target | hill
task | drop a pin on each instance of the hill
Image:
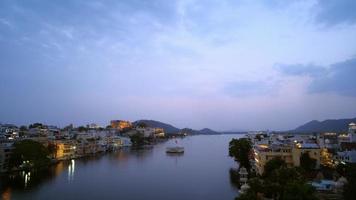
(207, 131)
(330, 125)
(169, 129)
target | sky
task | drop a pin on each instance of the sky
(222, 64)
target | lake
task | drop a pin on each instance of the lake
(202, 172)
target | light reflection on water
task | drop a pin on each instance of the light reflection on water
(6, 194)
(71, 169)
(202, 172)
(27, 176)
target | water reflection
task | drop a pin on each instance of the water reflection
(28, 180)
(59, 168)
(202, 172)
(25, 180)
(71, 169)
(27, 176)
(6, 194)
(234, 177)
(176, 157)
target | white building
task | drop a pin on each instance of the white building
(150, 132)
(347, 152)
(9, 131)
(328, 140)
(346, 156)
(118, 141)
(352, 132)
(93, 126)
(343, 138)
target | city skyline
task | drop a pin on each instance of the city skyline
(224, 65)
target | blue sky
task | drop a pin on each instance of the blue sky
(223, 64)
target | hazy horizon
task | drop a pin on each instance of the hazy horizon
(219, 64)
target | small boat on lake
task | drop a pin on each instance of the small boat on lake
(175, 149)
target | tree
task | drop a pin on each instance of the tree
(298, 191)
(36, 125)
(137, 139)
(272, 165)
(240, 150)
(349, 192)
(281, 179)
(254, 193)
(29, 154)
(82, 129)
(285, 184)
(23, 130)
(52, 149)
(306, 162)
(279, 183)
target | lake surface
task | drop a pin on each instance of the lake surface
(202, 172)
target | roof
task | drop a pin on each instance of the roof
(348, 145)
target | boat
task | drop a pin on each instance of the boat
(176, 149)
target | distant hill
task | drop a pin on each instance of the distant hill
(169, 129)
(330, 125)
(189, 131)
(207, 131)
(152, 123)
(204, 131)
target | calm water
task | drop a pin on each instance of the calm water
(201, 173)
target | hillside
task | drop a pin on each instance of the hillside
(169, 129)
(207, 131)
(152, 123)
(330, 125)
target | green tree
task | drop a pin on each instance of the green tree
(36, 125)
(240, 150)
(349, 192)
(279, 183)
(52, 149)
(137, 139)
(255, 191)
(298, 191)
(272, 165)
(82, 129)
(30, 154)
(306, 162)
(23, 130)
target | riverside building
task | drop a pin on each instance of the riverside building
(290, 152)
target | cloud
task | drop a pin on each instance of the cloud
(334, 12)
(300, 69)
(177, 53)
(338, 78)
